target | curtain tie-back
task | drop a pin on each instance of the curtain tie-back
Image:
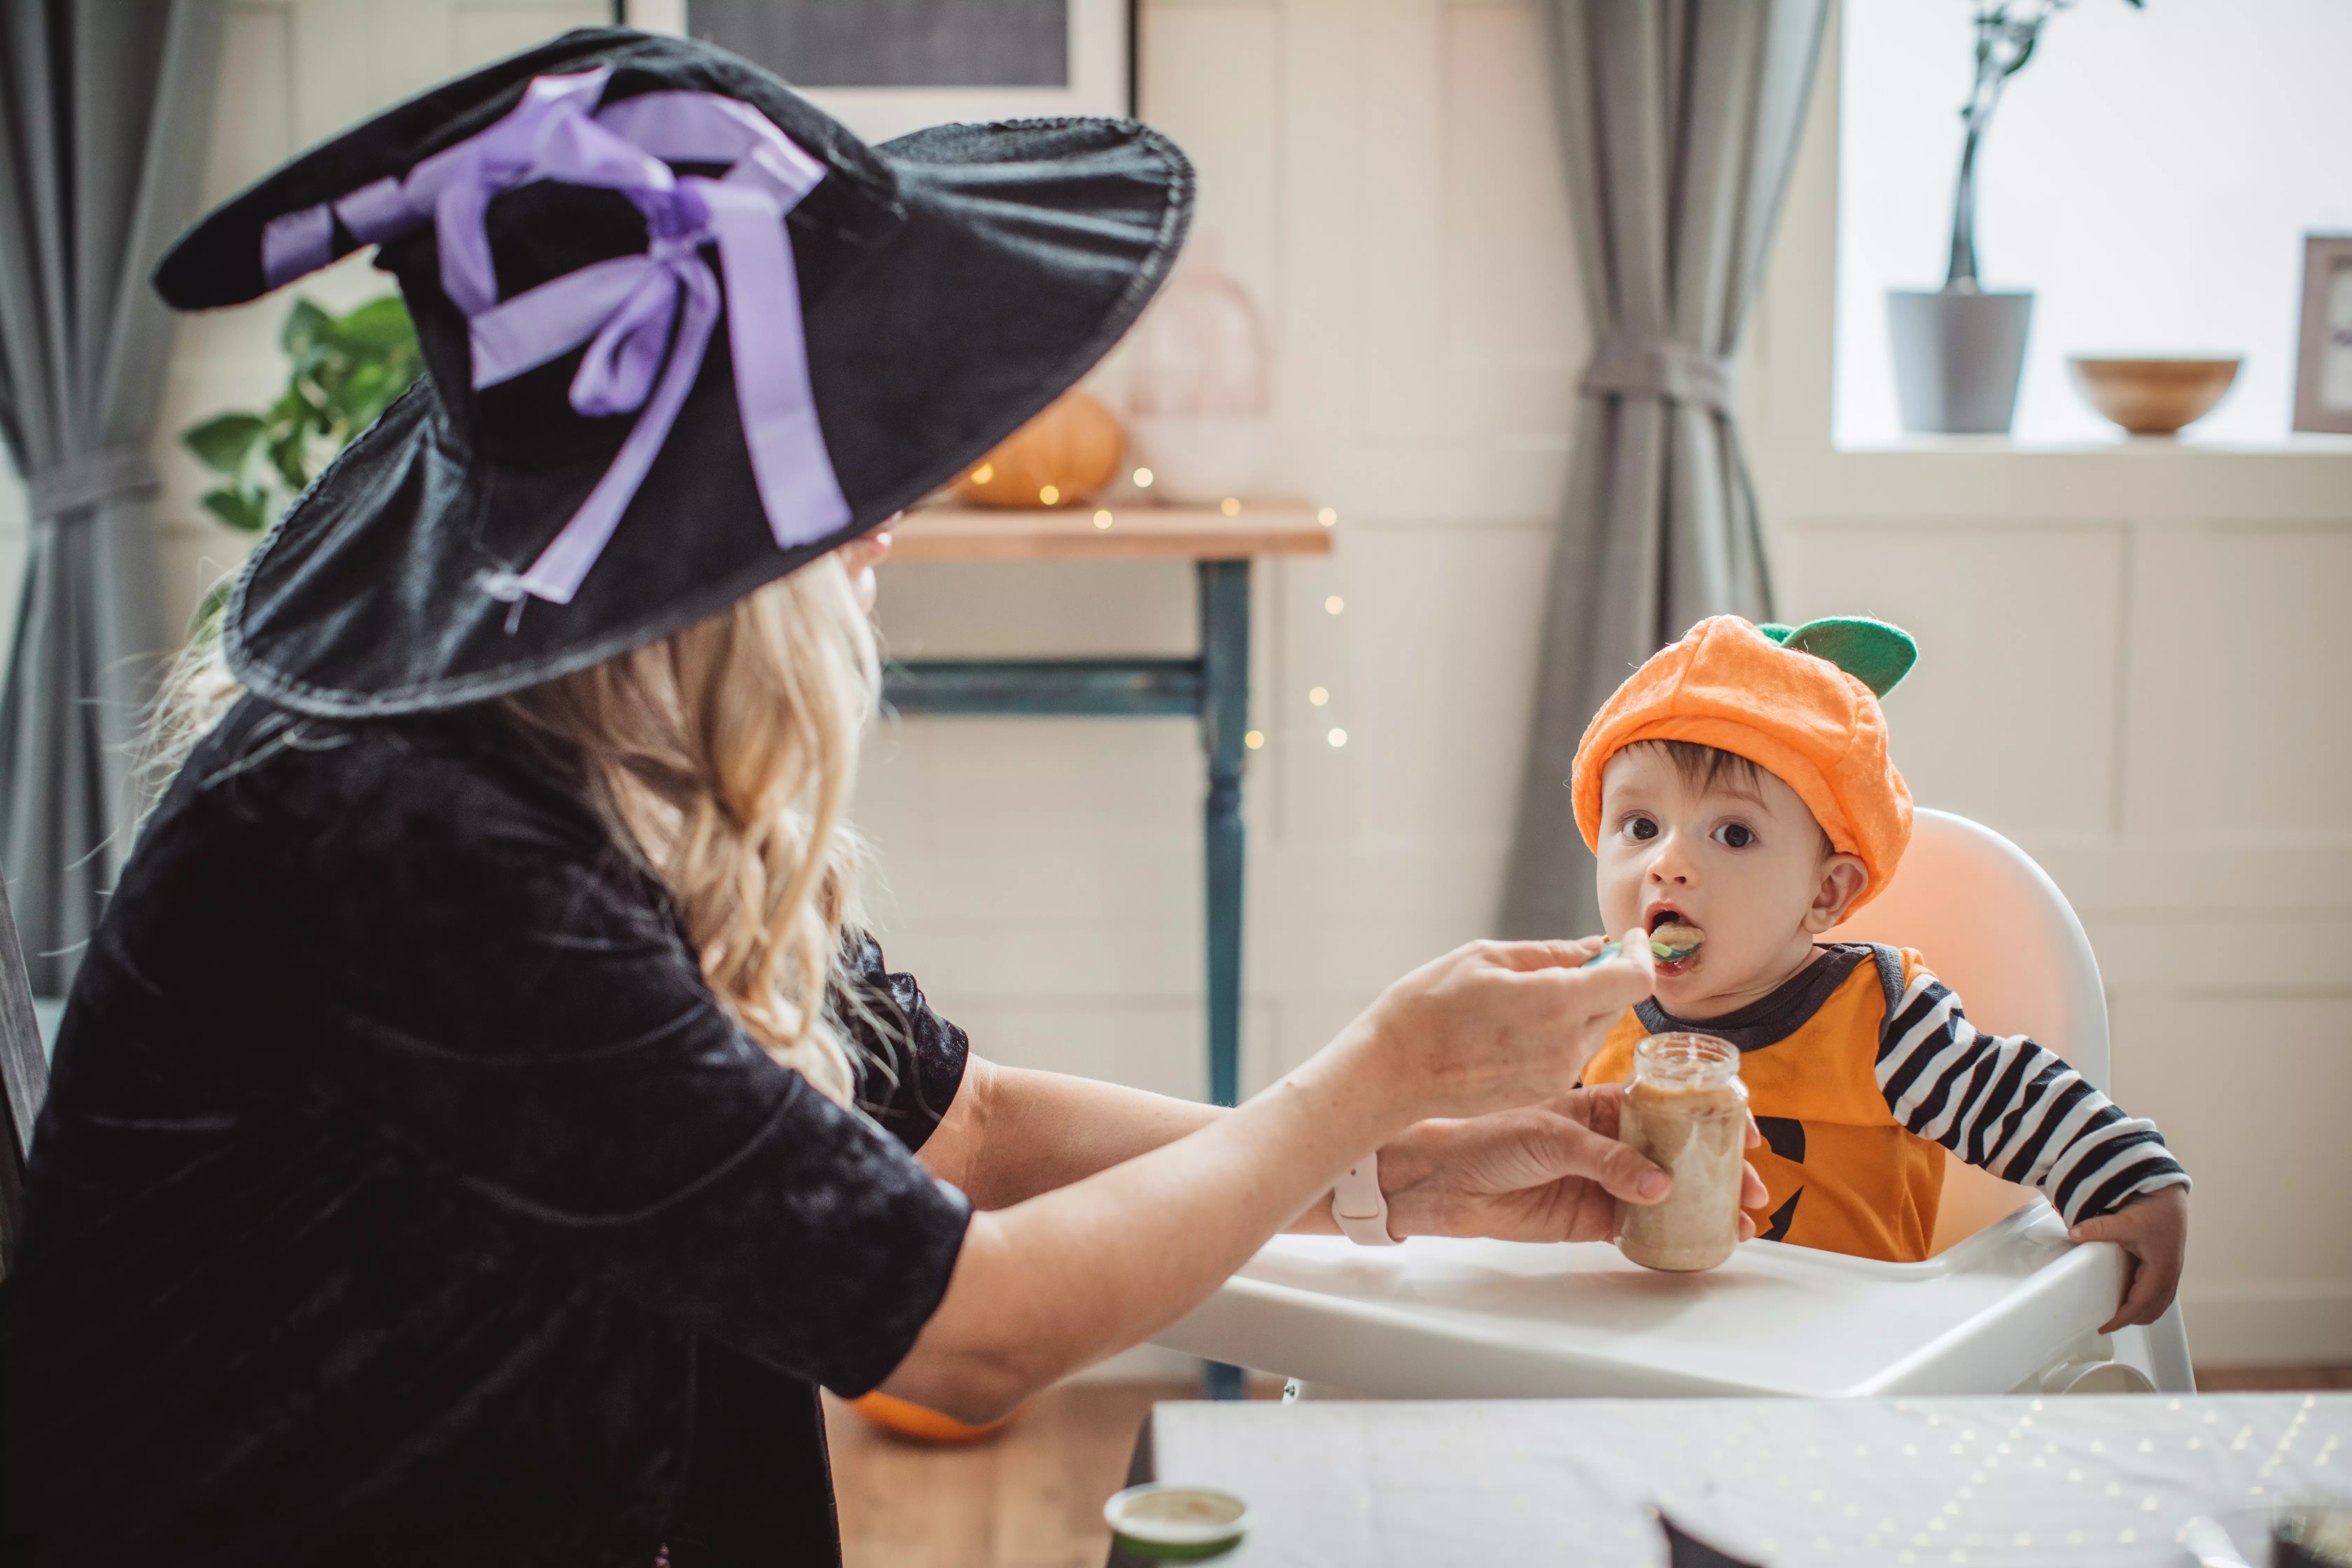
(1629, 364)
(90, 481)
(647, 319)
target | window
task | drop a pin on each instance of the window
(2150, 174)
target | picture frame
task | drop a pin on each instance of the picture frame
(2322, 372)
(884, 68)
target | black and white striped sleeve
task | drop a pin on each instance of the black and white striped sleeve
(2007, 1105)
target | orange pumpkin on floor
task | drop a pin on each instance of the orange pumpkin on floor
(910, 1420)
(1063, 456)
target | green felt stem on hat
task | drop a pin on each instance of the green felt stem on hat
(1873, 652)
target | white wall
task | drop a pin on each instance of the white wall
(2150, 176)
(2134, 661)
(1382, 177)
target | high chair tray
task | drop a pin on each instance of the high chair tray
(1438, 1318)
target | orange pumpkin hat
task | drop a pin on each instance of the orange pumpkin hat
(1799, 702)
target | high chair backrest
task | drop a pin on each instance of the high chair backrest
(1995, 928)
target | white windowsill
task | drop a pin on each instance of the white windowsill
(2139, 448)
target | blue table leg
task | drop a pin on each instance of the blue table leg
(1216, 686)
(1224, 720)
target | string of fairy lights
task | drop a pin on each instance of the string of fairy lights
(1321, 698)
(1319, 695)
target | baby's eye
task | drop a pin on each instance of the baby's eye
(1639, 828)
(1734, 836)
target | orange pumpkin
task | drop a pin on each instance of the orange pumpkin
(1064, 457)
(910, 1420)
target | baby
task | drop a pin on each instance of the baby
(1739, 794)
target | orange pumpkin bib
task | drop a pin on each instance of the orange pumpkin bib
(1842, 1174)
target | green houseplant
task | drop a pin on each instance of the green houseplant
(343, 371)
(1959, 350)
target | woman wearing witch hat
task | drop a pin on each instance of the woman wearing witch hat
(481, 1122)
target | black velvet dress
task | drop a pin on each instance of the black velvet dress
(402, 1197)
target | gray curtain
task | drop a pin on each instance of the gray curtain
(1679, 120)
(105, 112)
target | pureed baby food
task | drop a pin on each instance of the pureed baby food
(1686, 1110)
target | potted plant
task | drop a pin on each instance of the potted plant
(1959, 350)
(343, 371)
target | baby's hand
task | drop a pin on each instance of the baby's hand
(2153, 1231)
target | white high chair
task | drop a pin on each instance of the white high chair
(2005, 1304)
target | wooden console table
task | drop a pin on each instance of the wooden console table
(1212, 686)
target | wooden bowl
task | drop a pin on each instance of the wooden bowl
(2153, 396)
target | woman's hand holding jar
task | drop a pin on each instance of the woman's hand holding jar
(1061, 1267)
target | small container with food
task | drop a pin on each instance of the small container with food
(1173, 1523)
(1686, 1112)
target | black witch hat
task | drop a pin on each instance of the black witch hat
(682, 332)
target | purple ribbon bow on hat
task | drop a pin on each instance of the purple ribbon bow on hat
(626, 309)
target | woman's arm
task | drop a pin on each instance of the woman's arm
(1059, 1280)
(1011, 1133)
(1546, 1172)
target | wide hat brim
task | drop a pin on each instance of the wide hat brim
(1015, 256)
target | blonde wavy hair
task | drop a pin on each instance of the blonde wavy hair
(723, 756)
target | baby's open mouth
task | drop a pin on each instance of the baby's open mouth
(1674, 939)
(1673, 942)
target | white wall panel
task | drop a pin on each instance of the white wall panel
(1141, 1041)
(1430, 669)
(2010, 715)
(253, 115)
(1218, 68)
(1510, 311)
(1049, 782)
(1320, 217)
(2240, 727)
(491, 29)
(2249, 1083)
(1397, 108)
(976, 609)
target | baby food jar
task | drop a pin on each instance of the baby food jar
(1686, 1110)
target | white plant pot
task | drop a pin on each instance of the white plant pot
(1957, 358)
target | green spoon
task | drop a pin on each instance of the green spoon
(1669, 951)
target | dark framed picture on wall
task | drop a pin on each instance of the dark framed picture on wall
(2323, 371)
(884, 68)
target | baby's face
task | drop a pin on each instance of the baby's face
(1741, 859)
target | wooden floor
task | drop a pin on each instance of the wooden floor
(1032, 1496)
(2274, 1379)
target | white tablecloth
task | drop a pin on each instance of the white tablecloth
(2010, 1480)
